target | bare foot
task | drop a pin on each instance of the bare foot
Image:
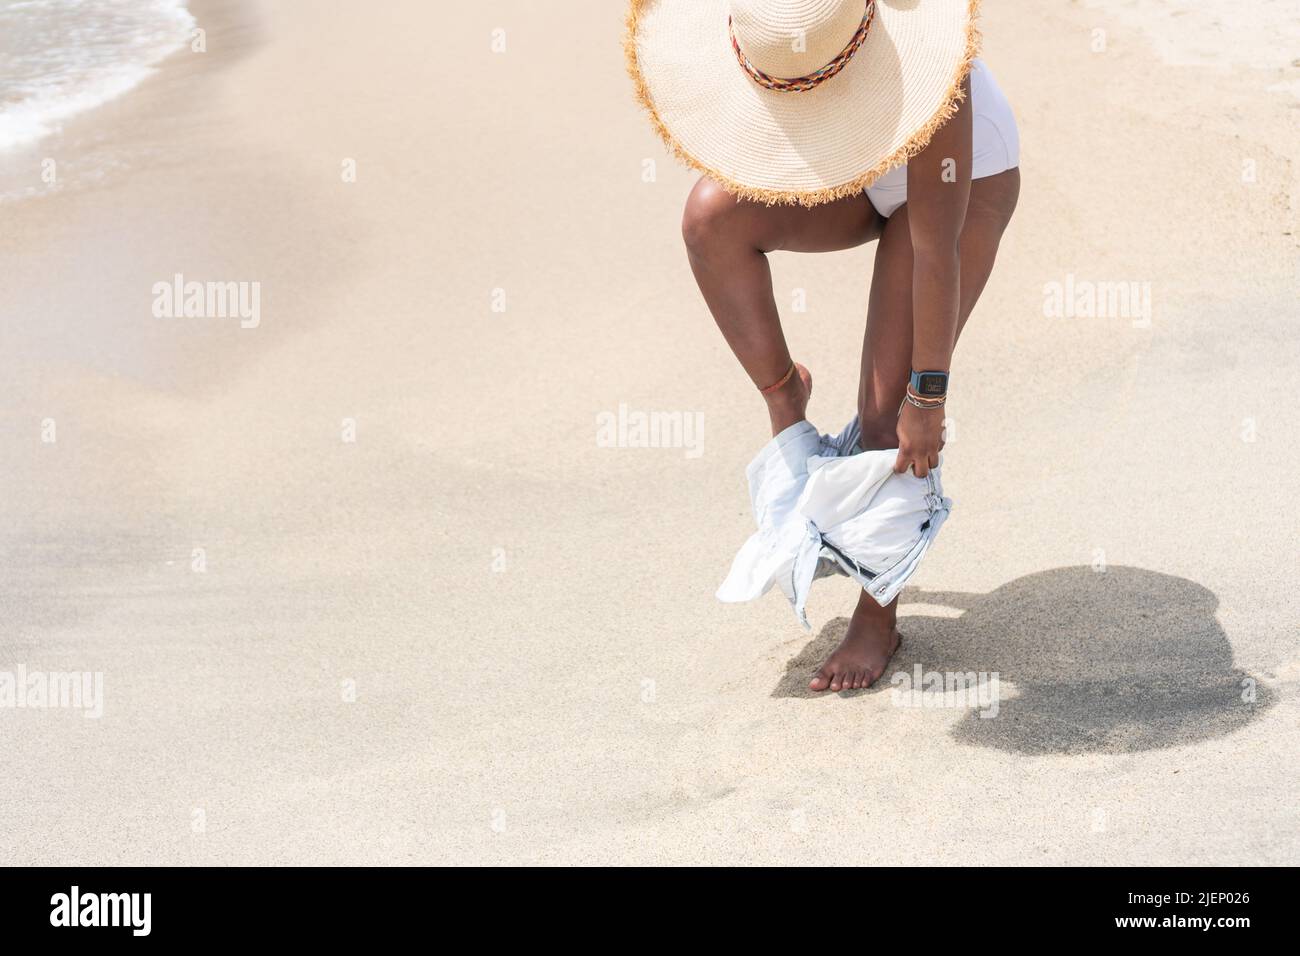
(865, 651)
(789, 403)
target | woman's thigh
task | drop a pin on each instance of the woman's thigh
(887, 344)
(713, 218)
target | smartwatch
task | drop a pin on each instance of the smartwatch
(929, 384)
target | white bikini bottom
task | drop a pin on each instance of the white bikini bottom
(995, 142)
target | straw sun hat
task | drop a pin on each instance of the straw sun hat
(807, 101)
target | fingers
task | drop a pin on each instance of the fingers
(921, 465)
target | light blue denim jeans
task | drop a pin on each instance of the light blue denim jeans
(823, 506)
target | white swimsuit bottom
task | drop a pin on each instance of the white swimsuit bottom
(995, 142)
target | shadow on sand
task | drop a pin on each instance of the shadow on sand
(1115, 662)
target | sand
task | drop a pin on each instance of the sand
(364, 587)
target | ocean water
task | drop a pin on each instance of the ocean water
(59, 58)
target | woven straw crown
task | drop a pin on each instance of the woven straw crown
(790, 38)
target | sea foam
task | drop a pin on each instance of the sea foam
(59, 58)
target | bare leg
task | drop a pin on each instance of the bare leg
(727, 242)
(873, 637)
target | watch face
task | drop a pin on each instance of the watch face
(931, 383)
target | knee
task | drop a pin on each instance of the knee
(709, 215)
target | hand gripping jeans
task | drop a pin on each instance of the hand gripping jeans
(824, 507)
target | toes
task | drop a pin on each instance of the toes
(829, 679)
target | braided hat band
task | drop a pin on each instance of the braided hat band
(801, 84)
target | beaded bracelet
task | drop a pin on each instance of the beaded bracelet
(920, 402)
